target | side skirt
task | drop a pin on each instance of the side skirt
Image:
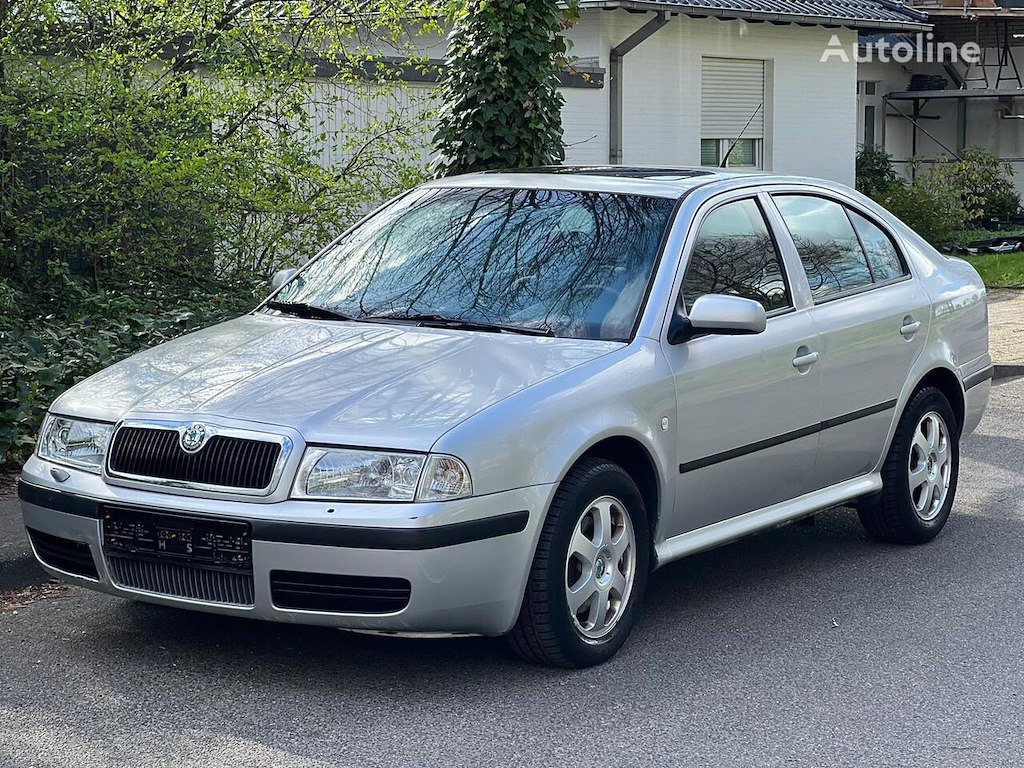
(722, 532)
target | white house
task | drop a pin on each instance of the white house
(681, 82)
(710, 72)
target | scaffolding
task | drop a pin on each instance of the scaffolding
(994, 29)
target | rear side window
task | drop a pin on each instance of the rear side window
(734, 254)
(827, 244)
(883, 257)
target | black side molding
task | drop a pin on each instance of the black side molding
(977, 378)
(743, 450)
(846, 418)
(356, 537)
(796, 434)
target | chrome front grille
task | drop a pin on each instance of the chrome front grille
(150, 453)
(174, 580)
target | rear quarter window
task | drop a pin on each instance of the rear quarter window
(883, 258)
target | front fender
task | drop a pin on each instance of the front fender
(535, 436)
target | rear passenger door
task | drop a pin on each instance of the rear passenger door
(872, 320)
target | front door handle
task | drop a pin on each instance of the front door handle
(910, 326)
(805, 359)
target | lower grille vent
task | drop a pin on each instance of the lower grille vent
(206, 584)
(331, 593)
(64, 554)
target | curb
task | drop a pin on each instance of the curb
(1007, 370)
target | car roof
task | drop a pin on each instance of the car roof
(658, 181)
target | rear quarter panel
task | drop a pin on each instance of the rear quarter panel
(958, 331)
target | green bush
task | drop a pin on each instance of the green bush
(934, 210)
(952, 196)
(84, 333)
(984, 182)
(875, 174)
(137, 144)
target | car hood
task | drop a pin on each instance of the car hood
(335, 382)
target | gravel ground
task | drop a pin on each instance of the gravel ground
(806, 645)
(1006, 325)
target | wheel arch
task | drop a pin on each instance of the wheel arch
(948, 383)
(636, 460)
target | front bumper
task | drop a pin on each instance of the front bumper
(467, 561)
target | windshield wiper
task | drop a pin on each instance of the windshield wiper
(310, 311)
(440, 321)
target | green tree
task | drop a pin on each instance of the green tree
(501, 107)
(875, 174)
(985, 184)
(179, 140)
(159, 159)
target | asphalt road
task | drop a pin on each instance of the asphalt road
(803, 646)
(18, 567)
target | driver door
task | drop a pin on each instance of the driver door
(748, 406)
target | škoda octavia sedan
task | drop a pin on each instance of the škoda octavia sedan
(496, 404)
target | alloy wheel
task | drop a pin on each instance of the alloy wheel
(600, 567)
(929, 466)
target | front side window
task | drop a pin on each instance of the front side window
(574, 263)
(827, 244)
(734, 254)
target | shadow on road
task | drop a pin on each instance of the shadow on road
(793, 585)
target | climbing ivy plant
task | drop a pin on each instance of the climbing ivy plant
(501, 106)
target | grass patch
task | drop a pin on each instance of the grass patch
(998, 270)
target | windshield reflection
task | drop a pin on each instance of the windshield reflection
(573, 263)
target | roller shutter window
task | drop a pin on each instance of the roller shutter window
(732, 93)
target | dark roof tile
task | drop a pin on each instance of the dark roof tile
(862, 14)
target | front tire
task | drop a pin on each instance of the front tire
(589, 572)
(919, 476)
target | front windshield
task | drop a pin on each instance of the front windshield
(573, 263)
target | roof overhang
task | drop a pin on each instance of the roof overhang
(909, 19)
(974, 12)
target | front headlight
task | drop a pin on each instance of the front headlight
(355, 475)
(78, 443)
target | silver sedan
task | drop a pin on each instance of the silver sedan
(496, 404)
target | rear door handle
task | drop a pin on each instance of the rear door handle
(801, 360)
(910, 326)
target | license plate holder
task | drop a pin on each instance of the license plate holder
(183, 539)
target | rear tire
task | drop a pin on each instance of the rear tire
(919, 477)
(593, 555)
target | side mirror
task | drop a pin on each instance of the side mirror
(717, 314)
(282, 277)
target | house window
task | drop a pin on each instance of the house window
(869, 107)
(732, 112)
(738, 153)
